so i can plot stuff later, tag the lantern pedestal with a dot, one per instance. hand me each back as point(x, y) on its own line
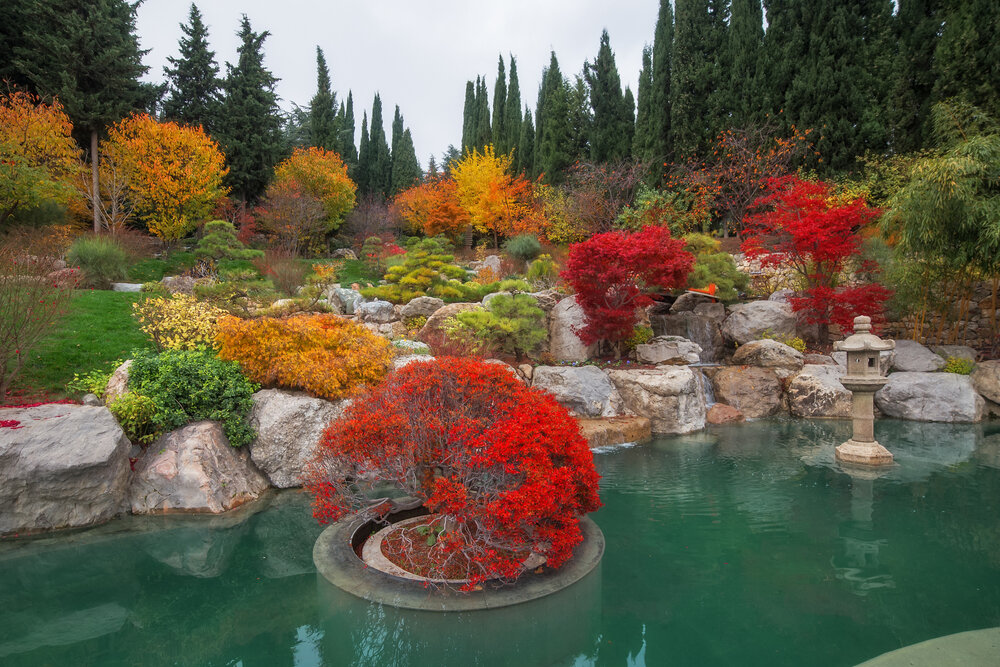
point(863, 453)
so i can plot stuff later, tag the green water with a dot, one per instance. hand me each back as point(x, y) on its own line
point(743, 545)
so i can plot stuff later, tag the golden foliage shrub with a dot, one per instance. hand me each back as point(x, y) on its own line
point(326, 355)
point(178, 323)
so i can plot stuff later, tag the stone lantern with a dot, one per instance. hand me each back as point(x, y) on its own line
point(863, 379)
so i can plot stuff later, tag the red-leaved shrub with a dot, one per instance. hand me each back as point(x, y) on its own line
point(503, 466)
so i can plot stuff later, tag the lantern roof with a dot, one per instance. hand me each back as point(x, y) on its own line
point(863, 339)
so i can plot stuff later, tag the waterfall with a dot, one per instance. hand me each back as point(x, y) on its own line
point(706, 387)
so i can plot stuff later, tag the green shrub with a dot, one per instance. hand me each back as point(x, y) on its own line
point(424, 271)
point(220, 243)
point(187, 386)
point(155, 289)
point(512, 324)
point(136, 415)
point(241, 298)
point(101, 258)
point(92, 382)
point(711, 265)
point(959, 365)
point(640, 336)
point(543, 272)
point(793, 342)
point(524, 247)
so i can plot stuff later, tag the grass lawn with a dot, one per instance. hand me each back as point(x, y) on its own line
point(356, 271)
point(171, 264)
point(97, 330)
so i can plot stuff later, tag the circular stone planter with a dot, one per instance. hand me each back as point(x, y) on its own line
point(337, 560)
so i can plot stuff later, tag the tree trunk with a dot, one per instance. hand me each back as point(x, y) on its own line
point(467, 241)
point(95, 182)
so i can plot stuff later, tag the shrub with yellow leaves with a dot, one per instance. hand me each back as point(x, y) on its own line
point(326, 355)
point(180, 322)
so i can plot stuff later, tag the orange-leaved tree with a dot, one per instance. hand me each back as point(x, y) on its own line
point(323, 175)
point(433, 208)
point(173, 173)
point(38, 157)
point(497, 201)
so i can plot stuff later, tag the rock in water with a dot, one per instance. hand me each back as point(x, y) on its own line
point(817, 392)
point(768, 354)
point(671, 398)
point(585, 390)
point(756, 392)
point(930, 397)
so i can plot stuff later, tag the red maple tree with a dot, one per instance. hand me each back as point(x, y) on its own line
point(502, 466)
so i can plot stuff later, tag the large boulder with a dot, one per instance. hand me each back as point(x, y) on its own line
point(688, 301)
point(349, 299)
point(118, 383)
point(566, 319)
point(194, 469)
point(720, 413)
point(768, 354)
point(585, 390)
point(407, 359)
point(986, 379)
point(60, 466)
point(289, 425)
point(930, 397)
point(671, 350)
point(756, 392)
point(405, 347)
point(816, 392)
point(702, 326)
point(750, 321)
point(672, 398)
point(957, 351)
point(912, 357)
point(432, 332)
point(376, 312)
point(422, 306)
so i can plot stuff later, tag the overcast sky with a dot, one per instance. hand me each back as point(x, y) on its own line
point(417, 54)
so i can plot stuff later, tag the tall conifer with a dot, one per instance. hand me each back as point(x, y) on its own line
point(554, 141)
point(323, 130)
point(612, 126)
point(469, 117)
point(193, 85)
point(745, 41)
point(362, 175)
point(405, 167)
point(484, 135)
point(512, 110)
point(525, 155)
point(662, 147)
point(967, 56)
point(380, 166)
point(916, 29)
point(499, 100)
point(643, 139)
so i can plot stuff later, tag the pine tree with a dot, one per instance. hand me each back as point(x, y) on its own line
point(499, 100)
point(469, 117)
point(643, 139)
point(553, 146)
point(525, 155)
point(967, 56)
point(250, 125)
point(380, 166)
point(362, 175)
point(916, 26)
point(484, 135)
point(87, 55)
point(512, 110)
point(193, 85)
point(612, 127)
point(406, 170)
point(745, 42)
point(323, 130)
point(661, 142)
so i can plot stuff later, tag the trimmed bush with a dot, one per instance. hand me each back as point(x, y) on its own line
point(220, 243)
point(512, 324)
point(101, 258)
point(327, 356)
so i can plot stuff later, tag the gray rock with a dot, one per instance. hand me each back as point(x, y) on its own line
point(547, 299)
point(756, 392)
point(701, 326)
point(668, 350)
point(912, 357)
point(376, 312)
point(126, 287)
point(885, 359)
point(118, 384)
point(712, 309)
point(344, 253)
point(433, 332)
point(288, 425)
point(407, 347)
point(585, 390)
point(931, 397)
point(781, 295)
point(687, 302)
point(821, 359)
point(672, 398)
point(566, 319)
point(91, 400)
point(179, 284)
point(749, 321)
point(768, 354)
point(422, 306)
point(407, 359)
point(194, 469)
point(63, 466)
point(492, 262)
point(958, 351)
point(816, 392)
point(349, 299)
point(986, 379)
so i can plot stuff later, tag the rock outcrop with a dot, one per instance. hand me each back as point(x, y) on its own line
point(986, 379)
point(816, 392)
point(750, 321)
point(670, 350)
point(756, 392)
point(912, 357)
point(671, 397)
point(565, 320)
point(587, 391)
point(702, 326)
point(422, 306)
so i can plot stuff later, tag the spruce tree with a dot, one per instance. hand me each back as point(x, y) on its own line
point(323, 130)
point(512, 110)
point(643, 139)
point(380, 165)
point(499, 100)
point(612, 126)
point(661, 143)
point(362, 175)
point(525, 155)
point(554, 150)
point(967, 56)
point(193, 85)
point(745, 41)
point(469, 117)
point(405, 168)
point(250, 125)
point(432, 168)
point(916, 28)
point(87, 55)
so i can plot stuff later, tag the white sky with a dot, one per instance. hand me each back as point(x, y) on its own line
point(415, 53)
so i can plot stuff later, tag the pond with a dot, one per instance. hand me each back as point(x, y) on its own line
point(739, 545)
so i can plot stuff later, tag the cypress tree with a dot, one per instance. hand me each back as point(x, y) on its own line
point(345, 137)
point(14, 15)
point(643, 139)
point(250, 126)
point(405, 167)
point(916, 26)
point(512, 110)
point(554, 138)
point(692, 74)
point(611, 129)
point(469, 117)
point(745, 41)
point(396, 132)
point(967, 56)
point(662, 147)
point(363, 172)
point(526, 145)
point(581, 119)
point(323, 129)
point(785, 45)
point(499, 100)
point(87, 55)
point(484, 135)
point(380, 165)
point(717, 66)
point(193, 86)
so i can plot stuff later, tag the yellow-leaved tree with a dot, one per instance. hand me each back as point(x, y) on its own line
point(38, 157)
point(172, 173)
